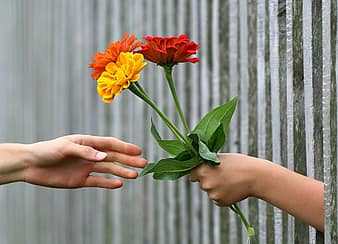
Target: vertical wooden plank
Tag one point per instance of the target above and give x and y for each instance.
(289, 102)
(115, 124)
(317, 64)
(275, 104)
(158, 76)
(4, 33)
(139, 113)
(224, 36)
(171, 211)
(215, 98)
(90, 113)
(308, 96)
(336, 69)
(6, 37)
(235, 236)
(181, 74)
(253, 213)
(282, 94)
(333, 121)
(194, 107)
(151, 150)
(103, 227)
(30, 115)
(301, 230)
(326, 39)
(244, 90)
(59, 91)
(75, 202)
(261, 107)
(204, 105)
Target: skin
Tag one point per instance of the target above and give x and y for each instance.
(69, 161)
(240, 176)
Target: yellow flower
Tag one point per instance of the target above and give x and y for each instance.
(118, 76)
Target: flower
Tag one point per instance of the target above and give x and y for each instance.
(118, 75)
(169, 50)
(127, 44)
(119, 68)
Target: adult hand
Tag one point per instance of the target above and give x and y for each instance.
(69, 161)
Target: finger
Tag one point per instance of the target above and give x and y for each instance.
(134, 161)
(206, 185)
(102, 182)
(114, 169)
(216, 203)
(219, 203)
(85, 152)
(193, 176)
(108, 143)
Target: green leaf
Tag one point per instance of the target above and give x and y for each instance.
(203, 150)
(148, 169)
(173, 147)
(170, 168)
(205, 153)
(212, 120)
(217, 140)
(195, 138)
(170, 175)
(183, 156)
(172, 165)
(154, 131)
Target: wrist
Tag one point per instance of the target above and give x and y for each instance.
(14, 159)
(259, 175)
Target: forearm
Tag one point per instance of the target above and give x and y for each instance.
(294, 193)
(13, 161)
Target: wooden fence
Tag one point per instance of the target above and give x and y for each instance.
(279, 57)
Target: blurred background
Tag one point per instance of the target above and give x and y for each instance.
(279, 57)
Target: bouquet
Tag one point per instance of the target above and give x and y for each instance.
(118, 69)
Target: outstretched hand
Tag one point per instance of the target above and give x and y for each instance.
(69, 161)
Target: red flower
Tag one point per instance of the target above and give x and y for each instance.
(127, 44)
(169, 50)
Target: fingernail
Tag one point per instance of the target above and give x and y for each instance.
(100, 155)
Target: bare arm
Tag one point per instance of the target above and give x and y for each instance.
(69, 161)
(240, 176)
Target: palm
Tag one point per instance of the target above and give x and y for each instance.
(69, 162)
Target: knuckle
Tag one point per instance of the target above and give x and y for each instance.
(131, 174)
(206, 186)
(213, 195)
(87, 150)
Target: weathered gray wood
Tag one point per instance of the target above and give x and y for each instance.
(279, 57)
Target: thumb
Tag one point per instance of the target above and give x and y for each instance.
(86, 152)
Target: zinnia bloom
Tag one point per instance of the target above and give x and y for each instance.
(118, 75)
(169, 50)
(127, 44)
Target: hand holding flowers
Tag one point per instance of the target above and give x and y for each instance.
(118, 68)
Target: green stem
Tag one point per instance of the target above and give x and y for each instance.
(168, 73)
(239, 212)
(140, 92)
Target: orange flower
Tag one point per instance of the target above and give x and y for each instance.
(127, 44)
(119, 75)
(169, 50)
